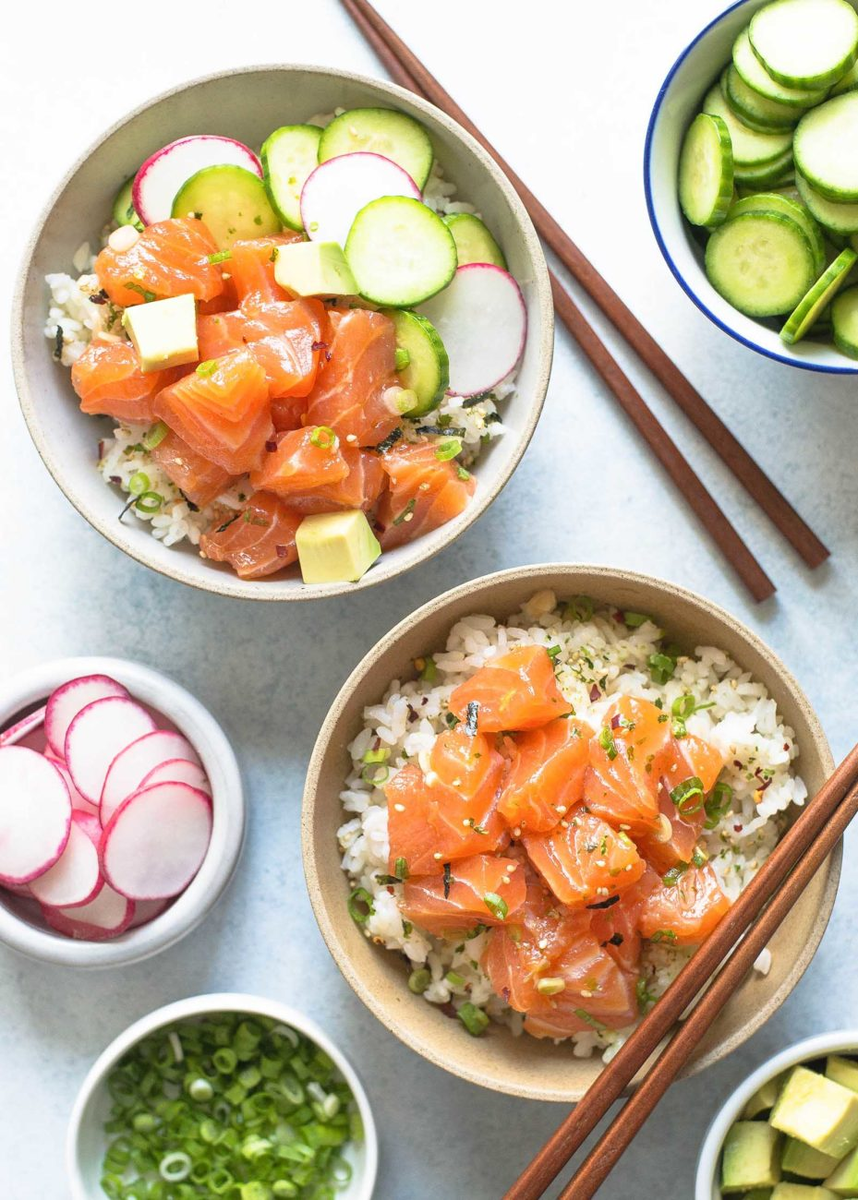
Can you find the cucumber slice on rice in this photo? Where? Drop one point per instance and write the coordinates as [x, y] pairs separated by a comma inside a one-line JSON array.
[[288, 157], [400, 252], [761, 263], [824, 148], [428, 370], [755, 75], [841, 218], [810, 308], [124, 212], [805, 43], [756, 111], [776, 202], [474, 243], [750, 149], [844, 319], [706, 171], [231, 201], [383, 131]]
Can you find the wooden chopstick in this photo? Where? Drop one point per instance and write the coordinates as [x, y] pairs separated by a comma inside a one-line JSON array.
[[809, 829], [699, 499]]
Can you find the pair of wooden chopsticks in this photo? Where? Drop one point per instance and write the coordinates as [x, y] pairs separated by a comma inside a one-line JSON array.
[[409, 72]]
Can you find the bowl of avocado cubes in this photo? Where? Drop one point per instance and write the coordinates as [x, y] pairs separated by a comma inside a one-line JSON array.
[[790, 1132], [751, 178]]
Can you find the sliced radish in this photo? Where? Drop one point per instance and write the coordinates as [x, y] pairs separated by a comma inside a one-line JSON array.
[[164, 172], [18, 889], [75, 878], [147, 910], [337, 190], [90, 825], [482, 321], [35, 814], [108, 915], [156, 841], [78, 802], [96, 735], [23, 728], [133, 764], [66, 702], [178, 770]]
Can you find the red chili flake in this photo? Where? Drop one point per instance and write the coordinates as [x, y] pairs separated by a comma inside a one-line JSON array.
[[737, 764], [786, 745], [615, 722], [319, 346], [282, 551], [271, 446], [328, 356], [738, 828], [594, 693], [448, 1010]]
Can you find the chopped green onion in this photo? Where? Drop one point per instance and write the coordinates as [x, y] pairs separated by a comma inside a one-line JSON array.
[[663, 935], [149, 502], [699, 857], [473, 1018], [175, 1167], [462, 474], [375, 774], [406, 513], [719, 803], [634, 620], [554, 653], [427, 668], [661, 667], [220, 256], [206, 368], [455, 979], [606, 741], [400, 868], [583, 1015], [645, 997], [155, 436], [361, 907], [324, 437], [688, 796], [141, 291], [138, 483], [496, 905], [579, 608], [376, 756], [448, 449], [673, 876], [419, 981], [401, 358]]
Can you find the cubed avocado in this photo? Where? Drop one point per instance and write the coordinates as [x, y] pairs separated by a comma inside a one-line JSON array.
[[314, 269], [763, 1099], [843, 1071], [843, 1180], [751, 1157], [817, 1111], [164, 332], [799, 1159], [801, 1191], [336, 547]]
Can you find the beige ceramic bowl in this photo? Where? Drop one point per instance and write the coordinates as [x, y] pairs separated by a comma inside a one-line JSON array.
[[248, 105], [525, 1066]]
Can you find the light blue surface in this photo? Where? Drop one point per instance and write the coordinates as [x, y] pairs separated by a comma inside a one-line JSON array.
[[587, 490]]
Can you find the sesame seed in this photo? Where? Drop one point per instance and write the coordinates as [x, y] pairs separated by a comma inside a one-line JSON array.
[[516, 832], [543, 943], [561, 808], [399, 807], [437, 856], [587, 995], [505, 879]]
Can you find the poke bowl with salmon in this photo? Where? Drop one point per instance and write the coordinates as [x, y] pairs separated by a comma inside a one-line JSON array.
[[298, 347], [546, 810]]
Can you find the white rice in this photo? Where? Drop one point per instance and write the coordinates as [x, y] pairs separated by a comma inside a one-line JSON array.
[[597, 652], [72, 312]]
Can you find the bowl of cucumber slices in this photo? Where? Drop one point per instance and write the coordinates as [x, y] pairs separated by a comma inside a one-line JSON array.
[[751, 178]]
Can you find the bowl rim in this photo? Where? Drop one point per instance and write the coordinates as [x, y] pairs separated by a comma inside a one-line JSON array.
[[211, 1002], [536, 576], [808, 1048], [802, 364], [218, 868], [541, 329]]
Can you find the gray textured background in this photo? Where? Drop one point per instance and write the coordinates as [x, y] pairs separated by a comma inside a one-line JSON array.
[[569, 110]]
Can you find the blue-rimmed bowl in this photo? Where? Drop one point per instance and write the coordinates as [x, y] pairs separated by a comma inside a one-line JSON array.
[[678, 101]]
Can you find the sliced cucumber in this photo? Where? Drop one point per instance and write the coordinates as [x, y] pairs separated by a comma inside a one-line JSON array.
[[841, 218], [824, 148], [847, 82], [844, 318], [474, 243], [124, 212], [805, 43], [706, 171], [380, 131], [756, 111], [776, 202], [400, 252], [810, 307], [288, 156], [772, 174], [427, 372], [761, 263], [750, 149], [231, 201], [757, 77]]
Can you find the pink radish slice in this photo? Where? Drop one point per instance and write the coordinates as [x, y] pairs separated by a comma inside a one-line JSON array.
[[133, 764], [35, 814], [108, 915], [178, 770], [66, 702], [23, 728], [337, 190], [96, 735], [156, 841], [164, 172], [18, 889], [482, 320], [90, 825], [75, 878], [78, 801], [147, 910]]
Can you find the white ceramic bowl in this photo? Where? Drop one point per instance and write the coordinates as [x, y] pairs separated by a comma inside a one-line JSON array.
[[709, 1162], [86, 1143], [28, 933], [247, 104], [678, 100]]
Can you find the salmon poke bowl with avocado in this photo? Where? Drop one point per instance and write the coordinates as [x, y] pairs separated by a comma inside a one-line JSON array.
[[547, 815], [297, 351]]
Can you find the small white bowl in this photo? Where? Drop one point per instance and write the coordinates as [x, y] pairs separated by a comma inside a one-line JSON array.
[[709, 1163], [86, 1142], [28, 933], [679, 99]]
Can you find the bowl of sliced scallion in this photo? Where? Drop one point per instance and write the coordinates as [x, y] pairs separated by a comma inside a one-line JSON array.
[[222, 1095]]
